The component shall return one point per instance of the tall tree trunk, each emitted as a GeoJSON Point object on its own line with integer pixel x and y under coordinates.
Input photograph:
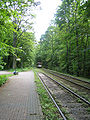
{"type": "Point", "coordinates": [14, 39]}
{"type": "Point", "coordinates": [77, 49]}
{"type": "Point", "coordinates": [69, 48]}
{"type": "Point", "coordinates": [67, 64]}
{"type": "Point", "coordinates": [14, 45]}
{"type": "Point", "coordinates": [77, 40]}
{"type": "Point", "coordinates": [14, 62]}
{"type": "Point", "coordinates": [85, 57]}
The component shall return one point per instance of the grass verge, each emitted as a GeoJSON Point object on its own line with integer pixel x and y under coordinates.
{"type": "Point", "coordinates": [4, 78]}
{"type": "Point", "coordinates": [48, 108]}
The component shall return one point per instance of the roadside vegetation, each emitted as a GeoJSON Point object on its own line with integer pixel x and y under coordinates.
{"type": "Point", "coordinates": [65, 46]}
{"type": "Point", "coordinates": [4, 78]}
{"type": "Point", "coordinates": [16, 43]}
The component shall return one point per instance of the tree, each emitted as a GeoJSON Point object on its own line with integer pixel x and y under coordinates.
{"type": "Point", "coordinates": [65, 45]}
{"type": "Point", "coordinates": [13, 25]}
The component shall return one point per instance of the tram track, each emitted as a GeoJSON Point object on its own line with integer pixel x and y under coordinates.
{"type": "Point", "coordinates": [74, 86]}
{"type": "Point", "coordinates": [60, 111]}
{"type": "Point", "coordinates": [83, 99]}
{"type": "Point", "coordinates": [78, 82]}
{"type": "Point", "coordinates": [55, 82]}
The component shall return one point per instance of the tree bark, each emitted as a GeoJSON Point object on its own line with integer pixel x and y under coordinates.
{"type": "Point", "coordinates": [14, 45]}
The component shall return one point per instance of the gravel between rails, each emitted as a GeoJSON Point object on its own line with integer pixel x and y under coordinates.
{"type": "Point", "coordinates": [84, 92]}
{"type": "Point", "coordinates": [76, 110]}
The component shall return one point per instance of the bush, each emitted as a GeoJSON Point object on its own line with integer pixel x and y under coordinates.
{"type": "Point", "coordinates": [4, 78]}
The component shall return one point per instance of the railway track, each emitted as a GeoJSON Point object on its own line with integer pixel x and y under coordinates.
{"type": "Point", "coordinates": [60, 111]}
{"type": "Point", "coordinates": [74, 86]}
{"type": "Point", "coordinates": [63, 95]}
{"type": "Point", "coordinates": [78, 82]}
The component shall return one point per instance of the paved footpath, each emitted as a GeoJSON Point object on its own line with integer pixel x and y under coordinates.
{"type": "Point", "coordinates": [5, 72]}
{"type": "Point", "coordinates": [19, 99]}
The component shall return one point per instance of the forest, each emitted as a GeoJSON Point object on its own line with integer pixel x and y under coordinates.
{"type": "Point", "coordinates": [65, 46]}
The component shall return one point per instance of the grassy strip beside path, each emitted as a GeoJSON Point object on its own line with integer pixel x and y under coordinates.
{"type": "Point", "coordinates": [4, 78]}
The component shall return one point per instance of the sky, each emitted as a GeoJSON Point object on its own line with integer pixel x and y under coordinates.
{"type": "Point", "coordinates": [44, 14]}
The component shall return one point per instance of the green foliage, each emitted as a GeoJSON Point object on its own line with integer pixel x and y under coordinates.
{"type": "Point", "coordinates": [66, 45]}
{"type": "Point", "coordinates": [13, 26]}
{"type": "Point", "coordinates": [27, 42]}
{"type": "Point", "coordinates": [4, 78]}
{"type": "Point", "coordinates": [88, 109]}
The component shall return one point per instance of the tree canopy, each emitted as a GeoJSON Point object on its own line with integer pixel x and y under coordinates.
{"type": "Point", "coordinates": [15, 41]}
{"type": "Point", "coordinates": [65, 46]}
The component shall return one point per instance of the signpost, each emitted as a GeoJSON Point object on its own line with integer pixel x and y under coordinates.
{"type": "Point", "coordinates": [18, 59]}
{"type": "Point", "coordinates": [15, 73]}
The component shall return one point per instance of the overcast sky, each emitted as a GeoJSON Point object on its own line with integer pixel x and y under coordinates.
{"type": "Point", "coordinates": [44, 14]}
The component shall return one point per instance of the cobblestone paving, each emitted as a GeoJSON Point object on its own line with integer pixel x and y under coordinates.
{"type": "Point", "coordinates": [19, 100]}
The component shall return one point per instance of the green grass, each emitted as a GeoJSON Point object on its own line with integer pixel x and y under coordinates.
{"type": "Point", "coordinates": [4, 78]}
{"type": "Point", "coordinates": [48, 108]}
{"type": "Point", "coordinates": [88, 109]}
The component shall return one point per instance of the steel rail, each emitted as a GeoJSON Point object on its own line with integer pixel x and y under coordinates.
{"type": "Point", "coordinates": [68, 76]}
{"type": "Point", "coordinates": [70, 81]}
{"type": "Point", "coordinates": [83, 99]}
{"type": "Point", "coordinates": [63, 116]}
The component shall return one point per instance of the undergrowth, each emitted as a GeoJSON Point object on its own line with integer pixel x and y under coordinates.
{"type": "Point", "coordinates": [4, 78]}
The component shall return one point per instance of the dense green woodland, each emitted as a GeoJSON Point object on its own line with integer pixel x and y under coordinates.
{"type": "Point", "coordinates": [15, 40]}
{"type": "Point", "coordinates": [64, 47]}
